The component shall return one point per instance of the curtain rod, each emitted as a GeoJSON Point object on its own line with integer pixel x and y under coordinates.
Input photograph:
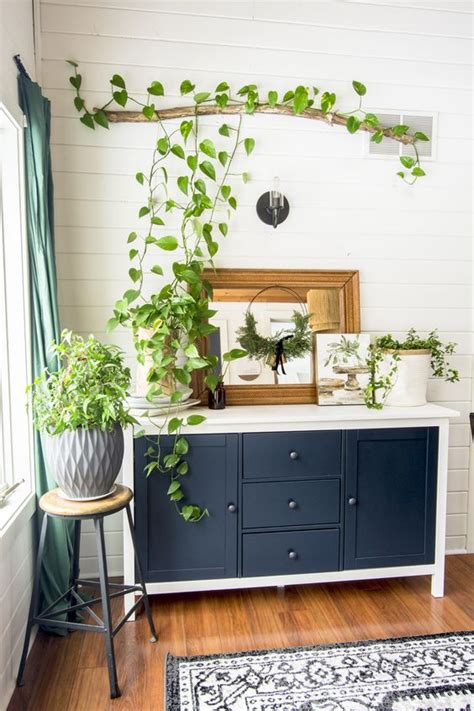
{"type": "Point", "coordinates": [20, 66]}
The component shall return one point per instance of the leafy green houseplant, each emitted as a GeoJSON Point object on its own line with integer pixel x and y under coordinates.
{"type": "Point", "coordinates": [191, 185]}
{"type": "Point", "coordinates": [80, 411]}
{"type": "Point", "coordinates": [399, 370]}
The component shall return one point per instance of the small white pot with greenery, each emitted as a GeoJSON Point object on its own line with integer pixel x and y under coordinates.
{"type": "Point", "coordinates": [399, 370]}
{"type": "Point", "coordinates": [80, 412]}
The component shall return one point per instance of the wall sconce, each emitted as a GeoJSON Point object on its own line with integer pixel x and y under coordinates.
{"type": "Point", "coordinates": [273, 207]}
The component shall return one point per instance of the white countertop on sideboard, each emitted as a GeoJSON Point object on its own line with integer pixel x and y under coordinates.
{"type": "Point", "coordinates": [279, 418]}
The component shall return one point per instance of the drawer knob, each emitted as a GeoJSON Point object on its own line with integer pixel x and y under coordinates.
{"type": "Point", "coordinates": [231, 508]}
{"type": "Point", "coordinates": [292, 555]}
{"type": "Point", "coordinates": [294, 455]}
{"type": "Point", "coordinates": [292, 504]}
{"type": "Point", "coordinates": [352, 501]}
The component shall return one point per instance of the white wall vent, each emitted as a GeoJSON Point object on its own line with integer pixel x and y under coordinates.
{"type": "Point", "coordinates": [417, 122]}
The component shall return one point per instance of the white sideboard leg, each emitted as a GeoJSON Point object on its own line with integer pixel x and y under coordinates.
{"type": "Point", "coordinates": [128, 553]}
{"type": "Point", "coordinates": [437, 580]}
{"type": "Point", "coordinates": [437, 583]}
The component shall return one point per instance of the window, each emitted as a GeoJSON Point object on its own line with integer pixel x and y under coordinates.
{"type": "Point", "coordinates": [15, 428]}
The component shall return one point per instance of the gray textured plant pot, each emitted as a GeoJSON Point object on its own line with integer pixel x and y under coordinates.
{"type": "Point", "coordinates": [85, 463]}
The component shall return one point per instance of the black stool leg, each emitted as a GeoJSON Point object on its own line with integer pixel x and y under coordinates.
{"type": "Point", "coordinates": [75, 566]}
{"type": "Point", "coordinates": [141, 579]}
{"type": "Point", "coordinates": [34, 600]}
{"type": "Point", "coordinates": [104, 591]}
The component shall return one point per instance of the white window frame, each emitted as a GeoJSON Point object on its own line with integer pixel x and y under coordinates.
{"type": "Point", "coordinates": [17, 457]}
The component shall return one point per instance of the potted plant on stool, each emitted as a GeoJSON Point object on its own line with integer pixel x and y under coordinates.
{"type": "Point", "coordinates": [80, 411]}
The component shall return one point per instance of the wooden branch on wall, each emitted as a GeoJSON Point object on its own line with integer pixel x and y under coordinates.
{"type": "Point", "coordinates": [235, 109]}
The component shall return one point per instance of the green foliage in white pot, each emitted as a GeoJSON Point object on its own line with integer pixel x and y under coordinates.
{"type": "Point", "coordinates": [89, 390]}
{"type": "Point", "coordinates": [380, 382]}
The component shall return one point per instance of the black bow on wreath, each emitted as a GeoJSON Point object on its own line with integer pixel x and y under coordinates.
{"type": "Point", "coordinates": [279, 351]}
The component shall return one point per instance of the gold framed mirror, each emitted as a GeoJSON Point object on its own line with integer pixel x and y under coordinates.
{"type": "Point", "coordinates": [331, 297]}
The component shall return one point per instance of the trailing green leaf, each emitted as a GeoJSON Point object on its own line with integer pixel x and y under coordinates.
{"type": "Point", "coordinates": [353, 124]}
{"type": "Point", "coordinates": [149, 111]}
{"type": "Point", "coordinates": [301, 99]}
{"type": "Point", "coordinates": [201, 97]}
{"type": "Point", "coordinates": [177, 150]}
{"type": "Point", "coordinates": [249, 145]}
{"type": "Point", "coordinates": [272, 98]}
{"type": "Point", "coordinates": [168, 243]}
{"type": "Point", "coordinates": [208, 169]}
{"type": "Point", "coordinates": [359, 88]}
{"type": "Point", "coordinates": [186, 87]}
{"type": "Point", "coordinates": [117, 80]}
{"type": "Point", "coordinates": [87, 120]}
{"type": "Point", "coordinates": [156, 88]}
{"type": "Point", "coordinates": [208, 147]}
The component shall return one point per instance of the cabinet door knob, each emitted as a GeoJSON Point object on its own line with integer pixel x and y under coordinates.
{"type": "Point", "coordinates": [292, 555]}
{"type": "Point", "coordinates": [352, 501]}
{"type": "Point", "coordinates": [231, 508]}
{"type": "Point", "coordinates": [292, 504]}
{"type": "Point", "coordinates": [294, 455]}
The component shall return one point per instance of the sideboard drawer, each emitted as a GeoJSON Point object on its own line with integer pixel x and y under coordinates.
{"type": "Point", "coordinates": [277, 455]}
{"type": "Point", "coordinates": [286, 552]}
{"type": "Point", "coordinates": [290, 503]}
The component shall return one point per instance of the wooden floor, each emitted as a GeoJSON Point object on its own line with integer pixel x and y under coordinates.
{"type": "Point", "coordinates": [69, 674]}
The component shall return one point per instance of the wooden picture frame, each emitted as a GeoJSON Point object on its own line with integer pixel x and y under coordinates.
{"type": "Point", "coordinates": [242, 285]}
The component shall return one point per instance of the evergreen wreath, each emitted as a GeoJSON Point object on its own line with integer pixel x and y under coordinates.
{"type": "Point", "coordinates": [284, 345]}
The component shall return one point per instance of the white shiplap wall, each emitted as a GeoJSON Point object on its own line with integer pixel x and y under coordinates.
{"type": "Point", "coordinates": [16, 544]}
{"type": "Point", "coordinates": [411, 245]}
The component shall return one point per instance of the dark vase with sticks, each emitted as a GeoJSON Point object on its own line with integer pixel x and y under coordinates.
{"type": "Point", "coordinates": [216, 397]}
{"type": "Point", "coordinates": [215, 381]}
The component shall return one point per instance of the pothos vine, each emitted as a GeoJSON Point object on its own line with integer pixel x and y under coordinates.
{"type": "Point", "coordinates": [203, 194]}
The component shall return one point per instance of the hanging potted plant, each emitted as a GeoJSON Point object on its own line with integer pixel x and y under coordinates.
{"type": "Point", "coordinates": [399, 370]}
{"type": "Point", "coordinates": [80, 411]}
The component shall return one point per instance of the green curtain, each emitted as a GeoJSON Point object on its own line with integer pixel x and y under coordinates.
{"type": "Point", "coordinates": [45, 328]}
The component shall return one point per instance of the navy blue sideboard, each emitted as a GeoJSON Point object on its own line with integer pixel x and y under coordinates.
{"type": "Point", "coordinates": [297, 494]}
{"type": "Point", "coordinates": [291, 503]}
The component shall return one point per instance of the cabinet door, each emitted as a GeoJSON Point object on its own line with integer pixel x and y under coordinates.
{"type": "Point", "coordinates": [172, 549]}
{"type": "Point", "coordinates": [390, 497]}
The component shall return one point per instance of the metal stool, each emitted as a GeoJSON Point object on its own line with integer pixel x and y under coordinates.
{"type": "Point", "coordinates": [54, 505]}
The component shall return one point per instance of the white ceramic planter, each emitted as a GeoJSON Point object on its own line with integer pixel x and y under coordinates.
{"type": "Point", "coordinates": [142, 385]}
{"type": "Point", "coordinates": [411, 379]}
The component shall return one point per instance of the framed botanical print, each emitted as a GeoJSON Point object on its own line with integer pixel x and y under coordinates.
{"type": "Point", "coordinates": [341, 368]}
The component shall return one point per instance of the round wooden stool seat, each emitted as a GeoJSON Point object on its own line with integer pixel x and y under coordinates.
{"type": "Point", "coordinates": [54, 504]}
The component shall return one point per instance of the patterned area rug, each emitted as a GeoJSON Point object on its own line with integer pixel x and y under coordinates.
{"type": "Point", "coordinates": [433, 673]}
